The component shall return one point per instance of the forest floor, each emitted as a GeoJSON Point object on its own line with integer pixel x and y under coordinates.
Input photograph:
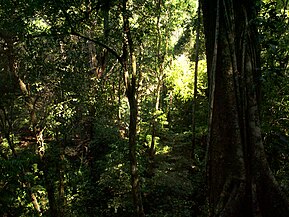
{"type": "Point", "coordinates": [175, 187]}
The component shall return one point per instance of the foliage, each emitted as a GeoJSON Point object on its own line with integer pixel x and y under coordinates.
{"type": "Point", "coordinates": [274, 20]}
{"type": "Point", "coordinates": [180, 77]}
{"type": "Point", "coordinates": [76, 94]}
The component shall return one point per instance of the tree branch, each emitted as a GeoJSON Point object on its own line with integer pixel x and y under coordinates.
{"type": "Point", "coordinates": [74, 32]}
{"type": "Point", "coordinates": [109, 49]}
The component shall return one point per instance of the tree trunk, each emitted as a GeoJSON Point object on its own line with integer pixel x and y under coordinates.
{"type": "Point", "coordinates": [130, 73]}
{"type": "Point", "coordinates": [61, 176]}
{"type": "Point", "coordinates": [240, 181]}
{"type": "Point", "coordinates": [30, 101]}
{"type": "Point", "coordinates": [151, 151]}
{"type": "Point", "coordinates": [195, 84]}
{"type": "Point", "coordinates": [50, 188]}
{"type": "Point", "coordinates": [159, 71]}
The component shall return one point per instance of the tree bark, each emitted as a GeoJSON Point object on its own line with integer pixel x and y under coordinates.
{"type": "Point", "coordinates": [240, 181]}
{"type": "Point", "coordinates": [159, 76]}
{"type": "Point", "coordinates": [16, 82]}
{"type": "Point", "coordinates": [130, 76]}
{"type": "Point", "coordinates": [195, 84]}
{"type": "Point", "coordinates": [128, 62]}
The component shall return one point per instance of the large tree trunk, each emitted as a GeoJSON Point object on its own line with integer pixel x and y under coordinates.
{"type": "Point", "coordinates": [240, 181]}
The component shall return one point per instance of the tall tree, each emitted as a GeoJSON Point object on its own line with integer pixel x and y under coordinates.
{"type": "Point", "coordinates": [130, 75]}
{"type": "Point", "coordinates": [196, 82]}
{"type": "Point", "coordinates": [240, 180]}
{"type": "Point", "coordinates": [128, 62]}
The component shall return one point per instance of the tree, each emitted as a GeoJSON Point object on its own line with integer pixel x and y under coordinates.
{"type": "Point", "coordinates": [240, 180]}
{"type": "Point", "coordinates": [128, 62]}
{"type": "Point", "coordinates": [130, 79]}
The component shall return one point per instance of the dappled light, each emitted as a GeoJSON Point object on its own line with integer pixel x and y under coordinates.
{"type": "Point", "coordinates": [130, 108]}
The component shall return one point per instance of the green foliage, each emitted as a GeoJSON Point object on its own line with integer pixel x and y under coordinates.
{"type": "Point", "coordinates": [79, 101]}
{"type": "Point", "coordinates": [180, 77]}
{"type": "Point", "coordinates": [15, 192]}
{"type": "Point", "coordinates": [102, 184]}
{"type": "Point", "coordinates": [274, 22]}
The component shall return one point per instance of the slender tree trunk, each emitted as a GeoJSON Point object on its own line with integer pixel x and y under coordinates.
{"type": "Point", "coordinates": [154, 131]}
{"type": "Point", "coordinates": [50, 188]}
{"type": "Point", "coordinates": [195, 83]}
{"type": "Point", "coordinates": [38, 131]}
{"type": "Point", "coordinates": [240, 181]}
{"type": "Point", "coordinates": [30, 101]}
{"type": "Point", "coordinates": [35, 204]}
{"type": "Point", "coordinates": [159, 76]}
{"type": "Point", "coordinates": [61, 178]}
{"type": "Point", "coordinates": [130, 74]}
{"type": "Point", "coordinates": [128, 61]}
{"type": "Point", "coordinates": [98, 59]}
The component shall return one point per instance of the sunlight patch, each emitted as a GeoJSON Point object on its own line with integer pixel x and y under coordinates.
{"type": "Point", "coordinates": [164, 150]}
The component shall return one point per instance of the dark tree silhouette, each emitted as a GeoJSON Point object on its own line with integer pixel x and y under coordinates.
{"type": "Point", "coordinates": [240, 180]}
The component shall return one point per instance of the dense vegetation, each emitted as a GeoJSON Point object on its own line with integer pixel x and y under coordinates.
{"type": "Point", "coordinates": [98, 100]}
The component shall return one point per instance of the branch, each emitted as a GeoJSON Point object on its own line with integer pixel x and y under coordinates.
{"type": "Point", "coordinates": [73, 32]}
{"type": "Point", "coordinates": [111, 50]}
